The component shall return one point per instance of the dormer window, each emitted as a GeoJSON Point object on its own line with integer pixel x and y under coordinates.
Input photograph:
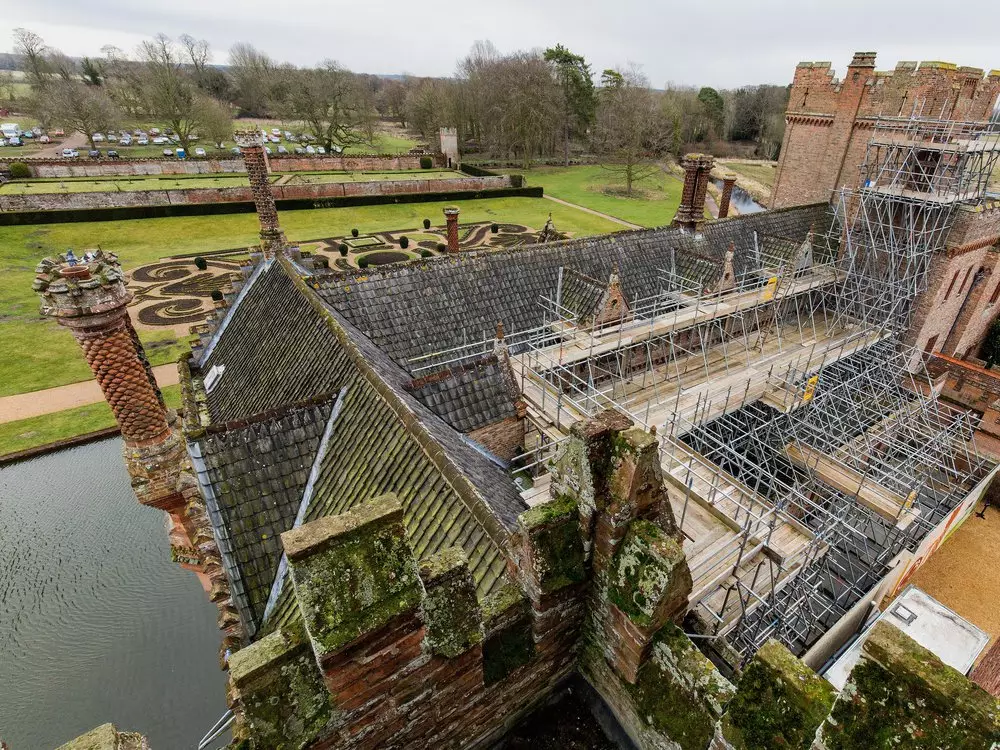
{"type": "Point", "coordinates": [213, 377]}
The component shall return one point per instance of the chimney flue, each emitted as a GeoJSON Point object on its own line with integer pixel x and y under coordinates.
{"type": "Point", "coordinates": [251, 144]}
{"type": "Point", "coordinates": [691, 213]}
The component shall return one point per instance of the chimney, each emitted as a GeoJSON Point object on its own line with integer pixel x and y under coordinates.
{"type": "Point", "coordinates": [251, 143]}
{"type": "Point", "coordinates": [451, 217]}
{"type": "Point", "coordinates": [728, 183]}
{"type": "Point", "coordinates": [691, 213]}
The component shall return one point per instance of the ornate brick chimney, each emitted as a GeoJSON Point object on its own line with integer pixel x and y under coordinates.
{"type": "Point", "coordinates": [691, 213]}
{"type": "Point", "coordinates": [451, 217]}
{"type": "Point", "coordinates": [251, 143]}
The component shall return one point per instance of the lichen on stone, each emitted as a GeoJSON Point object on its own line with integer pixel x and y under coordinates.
{"type": "Point", "coordinates": [450, 609]}
{"type": "Point", "coordinates": [553, 532]}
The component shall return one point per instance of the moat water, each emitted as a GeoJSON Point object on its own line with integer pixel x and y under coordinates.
{"type": "Point", "coordinates": [96, 623]}
{"type": "Point", "coordinates": [741, 200]}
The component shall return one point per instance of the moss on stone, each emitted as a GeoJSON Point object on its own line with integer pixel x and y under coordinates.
{"type": "Point", "coordinates": [779, 703]}
{"type": "Point", "coordinates": [649, 578]}
{"type": "Point", "coordinates": [450, 609]}
{"type": "Point", "coordinates": [679, 692]}
{"type": "Point", "coordinates": [502, 602]}
{"type": "Point", "coordinates": [901, 696]}
{"type": "Point", "coordinates": [553, 531]}
{"type": "Point", "coordinates": [507, 649]}
{"type": "Point", "coordinates": [353, 575]}
{"type": "Point", "coordinates": [104, 737]}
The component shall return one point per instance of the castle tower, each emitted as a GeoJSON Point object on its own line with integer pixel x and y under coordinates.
{"type": "Point", "coordinates": [89, 297]}
{"type": "Point", "coordinates": [251, 143]}
{"type": "Point", "coordinates": [691, 213]}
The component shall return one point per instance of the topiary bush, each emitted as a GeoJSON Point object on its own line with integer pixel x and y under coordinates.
{"type": "Point", "coordinates": [363, 263]}
{"type": "Point", "coordinates": [321, 261]}
{"type": "Point", "coordinates": [404, 242]}
{"type": "Point", "coordinates": [426, 162]}
{"type": "Point", "coordinates": [19, 171]}
{"type": "Point", "coordinates": [216, 295]}
{"type": "Point", "coordinates": [200, 263]}
{"type": "Point", "coordinates": [342, 248]}
{"type": "Point", "coordinates": [427, 223]}
{"type": "Point", "coordinates": [425, 253]}
{"type": "Point", "coordinates": [441, 247]}
{"type": "Point", "coordinates": [354, 233]}
{"type": "Point", "coordinates": [494, 227]}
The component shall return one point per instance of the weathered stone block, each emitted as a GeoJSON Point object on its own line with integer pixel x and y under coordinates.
{"type": "Point", "coordinates": [509, 640]}
{"type": "Point", "coordinates": [284, 700]}
{"type": "Point", "coordinates": [450, 608]}
{"type": "Point", "coordinates": [352, 573]}
{"type": "Point", "coordinates": [107, 737]}
{"type": "Point", "coordinates": [550, 533]}
{"type": "Point", "coordinates": [779, 702]}
{"type": "Point", "coordinates": [900, 696]}
{"type": "Point", "coordinates": [679, 692]}
{"type": "Point", "coordinates": [649, 580]}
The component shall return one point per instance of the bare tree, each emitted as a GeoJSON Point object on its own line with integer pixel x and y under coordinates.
{"type": "Point", "coordinates": [630, 134]}
{"type": "Point", "coordinates": [216, 122]}
{"type": "Point", "coordinates": [253, 75]}
{"type": "Point", "coordinates": [33, 57]}
{"type": "Point", "coordinates": [199, 53]}
{"type": "Point", "coordinates": [123, 81]}
{"type": "Point", "coordinates": [332, 103]}
{"type": "Point", "coordinates": [77, 106]}
{"type": "Point", "coordinates": [170, 93]}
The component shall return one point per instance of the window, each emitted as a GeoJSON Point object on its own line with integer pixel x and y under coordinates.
{"type": "Point", "coordinates": [213, 377]}
{"type": "Point", "coordinates": [952, 284]}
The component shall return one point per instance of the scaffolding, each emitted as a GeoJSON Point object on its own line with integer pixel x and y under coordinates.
{"type": "Point", "coordinates": [802, 445]}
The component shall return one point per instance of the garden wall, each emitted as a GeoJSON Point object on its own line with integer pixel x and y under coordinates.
{"type": "Point", "coordinates": [194, 166]}
{"type": "Point", "coordinates": [179, 196]}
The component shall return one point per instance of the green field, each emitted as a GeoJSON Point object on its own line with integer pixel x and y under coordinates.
{"type": "Point", "coordinates": [653, 204]}
{"type": "Point", "coordinates": [61, 425]}
{"type": "Point", "coordinates": [764, 172]}
{"type": "Point", "coordinates": [183, 182]}
{"type": "Point", "coordinates": [38, 354]}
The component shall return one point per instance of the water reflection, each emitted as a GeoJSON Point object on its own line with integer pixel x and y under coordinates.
{"type": "Point", "coordinates": [96, 623]}
{"type": "Point", "coordinates": [741, 200]}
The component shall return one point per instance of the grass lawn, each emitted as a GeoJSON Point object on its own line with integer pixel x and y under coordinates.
{"type": "Point", "coordinates": [655, 203]}
{"type": "Point", "coordinates": [764, 172]}
{"type": "Point", "coordinates": [61, 425]}
{"type": "Point", "coordinates": [39, 354]}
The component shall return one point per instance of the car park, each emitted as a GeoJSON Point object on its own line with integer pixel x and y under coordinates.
{"type": "Point", "coordinates": [97, 137]}
{"type": "Point", "coordinates": [199, 152]}
{"type": "Point", "coordinates": [143, 141]}
{"type": "Point", "coordinates": [70, 153]}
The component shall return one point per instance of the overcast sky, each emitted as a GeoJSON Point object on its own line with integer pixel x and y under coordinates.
{"type": "Point", "coordinates": [722, 43]}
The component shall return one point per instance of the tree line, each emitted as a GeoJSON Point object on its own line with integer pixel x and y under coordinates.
{"type": "Point", "coordinates": [521, 106]}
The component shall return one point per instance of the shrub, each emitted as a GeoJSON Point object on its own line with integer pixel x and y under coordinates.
{"type": "Point", "coordinates": [216, 295]}
{"type": "Point", "coordinates": [200, 263]}
{"type": "Point", "coordinates": [441, 247]}
{"type": "Point", "coordinates": [404, 242]}
{"type": "Point", "coordinates": [427, 223]}
{"type": "Point", "coordinates": [19, 171]}
{"type": "Point", "coordinates": [321, 261]}
{"type": "Point", "coordinates": [363, 263]}
{"type": "Point", "coordinates": [343, 249]}
{"type": "Point", "coordinates": [494, 227]}
{"type": "Point", "coordinates": [426, 162]}
{"type": "Point", "coordinates": [354, 233]}
{"type": "Point", "coordinates": [425, 253]}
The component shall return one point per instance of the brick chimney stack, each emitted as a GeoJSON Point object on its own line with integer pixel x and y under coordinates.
{"type": "Point", "coordinates": [691, 213]}
{"type": "Point", "coordinates": [251, 143]}
{"type": "Point", "coordinates": [728, 183]}
{"type": "Point", "coordinates": [451, 217]}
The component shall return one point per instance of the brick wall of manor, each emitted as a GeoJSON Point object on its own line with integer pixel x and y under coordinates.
{"type": "Point", "coordinates": [124, 198]}
{"type": "Point", "coordinates": [829, 120]}
{"type": "Point", "coordinates": [169, 166]}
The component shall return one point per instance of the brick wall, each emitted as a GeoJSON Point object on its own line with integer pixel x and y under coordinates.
{"type": "Point", "coordinates": [828, 120]}
{"type": "Point", "coordinates": [504, 438]}
{"type": "Point", "coordinates": [57, 201]}
{"type": "Point", "coordinates": [230, 164]}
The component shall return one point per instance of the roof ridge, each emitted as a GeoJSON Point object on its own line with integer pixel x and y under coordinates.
{"type": "Point", "coordinates": [435, 451]}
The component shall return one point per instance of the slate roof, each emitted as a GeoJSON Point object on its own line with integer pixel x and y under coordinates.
{"type": "Point", "coordinates": [467, 396]}
{"type": "Point", "coordinates": [415, 309]}
{"type": "Point", "coordinates": [579, 294]}
{"type": "Point", "coordinates": [255, 475]}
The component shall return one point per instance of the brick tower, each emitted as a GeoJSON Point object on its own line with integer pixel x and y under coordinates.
{"type": "Point", "coordinates": [89, 297]}
{"type": "Point", "coordinates": [251, 143]}
{"type": "Point", "coordinates": [691, 213]}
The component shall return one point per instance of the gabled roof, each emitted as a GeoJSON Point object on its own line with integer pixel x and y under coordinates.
{"type": "Point", "coordinates": [467, 395]}
{"type": "Point", "coordinates": [415, 309]}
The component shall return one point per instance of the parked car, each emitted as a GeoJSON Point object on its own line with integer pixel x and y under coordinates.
{"type": "Point", "coordinates": [70, 153]}
{"type": "Point", "coordinates": [59, 132]}
{"type": "Point", "coordinates": [126, 140]}
{"type": "Point", "coordinates": [97, 137]}
{"type": "Point", "coordinates": [160, 140]}
{"type": "Point", "coordinates": [168, 131]}
{"type": "Point", "coordinates": [320, 150]}
{"type": "Point", "coordinates": [234, 150]}
{"type": "Point", "coordinates": [282, 150]}
{"type": "Point", "coordinates": [299, 150]}
{"type": "Point", "coordinates": [154, 131]}
{"type": "Point", "coordinates": [275, 131]}
{"type": "Point", "coordinates": [310, 150]}
{"type": "Point", "coordinates": [14, 142]}
{"type": "Point", "coordinates": [180, 153]}
{"type": "Point", "coordinates": [94, 153]}
{"type": "Point", "coordinates": [199, 151]}
{"type": "Point", "coordinates": [143, 141]}
{"type": "Point", "coordinates": [291, 138]}
{"type": "Point", "coordinates": [268, 150]}
{"type": "Point", "coordinates": [168, 152]}
{"type": "Point", "coordinates": [43, 139]}
{"type": "Point", "coordinates": [27, 134]}
{"type": "Point", "coordinates": [335, 149]}
{"type": "Point", "coordinates": [112, 138]}
{"type": "Point", "coordinates": [274, 139]}
{"type": "Point", "coordinates": [288, 135]}
{"type": "Point", "coordinates": [112, 154]}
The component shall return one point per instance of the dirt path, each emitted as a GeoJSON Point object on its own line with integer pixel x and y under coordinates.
{"type": "Point", "coordinates": [595, 213]}
{"type": "Point", "coordinates": [73, 140]}
{"type": "Point", "coordinates": [37, 403]}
